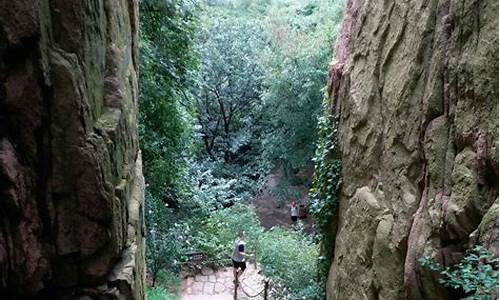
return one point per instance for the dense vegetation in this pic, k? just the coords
(230, 91)
(289, 258)
(475, 276)
(325, 187)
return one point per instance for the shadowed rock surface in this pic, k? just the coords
(71, 185)
(414, 85)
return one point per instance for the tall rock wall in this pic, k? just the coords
(71, 185)
(414, 85)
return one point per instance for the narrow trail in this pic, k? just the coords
(218, 285)
(271, 211)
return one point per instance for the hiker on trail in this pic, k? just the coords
(239, 264)
(294, 212)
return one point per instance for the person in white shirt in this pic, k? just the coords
(294, 212)
(239, 255)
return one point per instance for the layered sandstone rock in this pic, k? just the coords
(71, 187)
(414, 85)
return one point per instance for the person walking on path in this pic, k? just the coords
(239, 255)
(294, 212)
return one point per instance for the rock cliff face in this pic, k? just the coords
(414, 85)
(71, 186)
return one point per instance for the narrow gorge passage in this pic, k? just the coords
(238, 155)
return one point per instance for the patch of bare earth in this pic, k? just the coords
(273, 212)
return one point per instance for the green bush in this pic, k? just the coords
(160, 293)
(476, 274)
(289, 258)
(169, 280)
(216, 236)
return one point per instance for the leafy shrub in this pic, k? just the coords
(476, 274)
(290, 259)
(220, 185)
(217, 234)
(287, 257)
(159, 293)
(170, 280)
(162, 229)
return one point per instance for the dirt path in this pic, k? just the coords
(218, 285)
(273, 213)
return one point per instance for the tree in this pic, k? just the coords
(296, 65)
(167, 63)
(165, 122)
(229, 85)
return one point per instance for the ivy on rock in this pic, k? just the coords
(325, 186)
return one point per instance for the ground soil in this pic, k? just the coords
(275, 212)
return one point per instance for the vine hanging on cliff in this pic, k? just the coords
(326, 183)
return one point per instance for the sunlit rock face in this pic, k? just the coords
(71, 185)
(414, 85)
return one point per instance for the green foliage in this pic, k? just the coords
(429, 263)
(476, 275)
(165, 116)
(218, 233)
(170, 280)
(325, 186)
(165, 123)
(289, 258)
(160, 293)
(296, 64)
(238, 8)
(227, 91)
(219, 185)
(259, 101)
(228, 85)
(285, 190)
